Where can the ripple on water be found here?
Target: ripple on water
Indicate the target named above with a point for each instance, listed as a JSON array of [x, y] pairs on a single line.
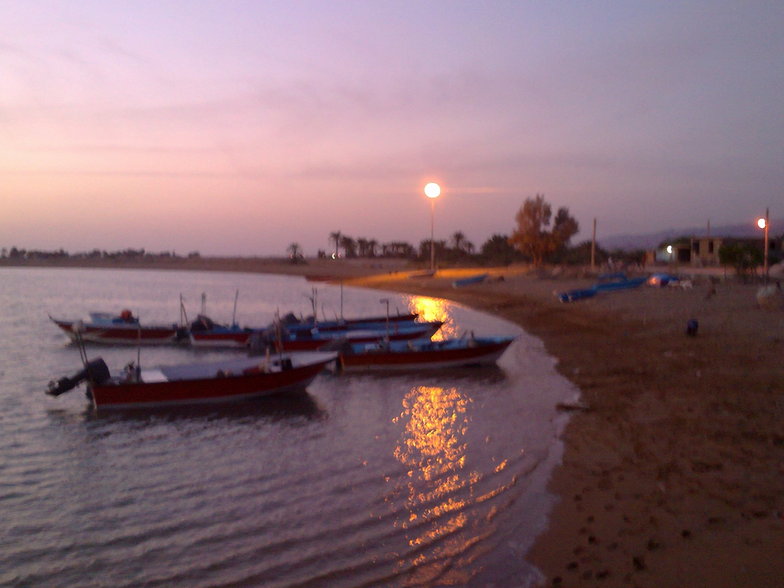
[[361, 480]]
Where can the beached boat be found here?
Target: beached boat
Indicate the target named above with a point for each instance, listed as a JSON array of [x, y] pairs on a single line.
[[469, 281], [423, 354], [606, 283], [219, 381], [122, 329], [619, 284]]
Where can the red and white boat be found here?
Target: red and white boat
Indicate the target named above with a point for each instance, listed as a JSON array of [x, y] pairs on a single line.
[[122, 329], [229, 380], [423, 354]]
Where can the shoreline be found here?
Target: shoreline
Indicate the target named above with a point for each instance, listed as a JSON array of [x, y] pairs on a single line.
[[673, 474]]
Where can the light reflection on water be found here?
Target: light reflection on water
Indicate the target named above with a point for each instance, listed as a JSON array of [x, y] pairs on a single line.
[[433, 450], [362, 480], [435, 309]]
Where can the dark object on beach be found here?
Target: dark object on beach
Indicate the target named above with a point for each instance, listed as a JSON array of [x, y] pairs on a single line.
[[691, 327]]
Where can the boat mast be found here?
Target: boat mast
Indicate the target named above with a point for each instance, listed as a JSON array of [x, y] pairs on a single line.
[[138, 343], [234, 314], [183, 314], [386, 300], [77, 329]]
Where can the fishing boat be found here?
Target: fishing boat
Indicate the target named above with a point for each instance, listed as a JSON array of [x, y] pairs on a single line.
[[227, 380], [204, 332], [620, 284], [423, 354], [317, 339], [605, 283], [292, 323], [120, 329], [469, 281]]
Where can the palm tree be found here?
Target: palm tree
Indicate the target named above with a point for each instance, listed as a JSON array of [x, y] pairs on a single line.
[[362, 244], [349, 246], [336, 238], [458, 239]]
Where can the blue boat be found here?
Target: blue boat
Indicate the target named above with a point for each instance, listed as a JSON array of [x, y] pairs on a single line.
[[573, 295], [606, 283], [477, 279], [624, 284]]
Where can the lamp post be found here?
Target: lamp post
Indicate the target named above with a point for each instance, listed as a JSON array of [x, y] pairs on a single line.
[[432, 191], [764, 224]]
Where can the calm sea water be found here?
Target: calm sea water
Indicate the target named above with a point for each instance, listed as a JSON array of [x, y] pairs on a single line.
[[406, 480]]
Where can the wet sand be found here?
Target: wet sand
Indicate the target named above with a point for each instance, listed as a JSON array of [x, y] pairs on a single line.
[[673, 470]]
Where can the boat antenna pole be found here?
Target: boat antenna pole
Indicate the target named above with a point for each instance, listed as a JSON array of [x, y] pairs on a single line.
[[77, 328], [234, 314], [341, 300], [279, 336], [386, 300], [204, 303], [138, 343], [183, 313]]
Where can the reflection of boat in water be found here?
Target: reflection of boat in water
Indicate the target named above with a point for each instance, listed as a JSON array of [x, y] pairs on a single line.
[[218, 381], [423, 354]]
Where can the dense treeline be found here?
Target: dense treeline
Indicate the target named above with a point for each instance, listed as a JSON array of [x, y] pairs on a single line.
[[537, 237]]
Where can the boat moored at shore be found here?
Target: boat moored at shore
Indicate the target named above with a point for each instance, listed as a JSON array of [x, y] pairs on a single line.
[[228, 380], [423, 354]]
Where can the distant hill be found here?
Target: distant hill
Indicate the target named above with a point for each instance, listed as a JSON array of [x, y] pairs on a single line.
[[652, 240]]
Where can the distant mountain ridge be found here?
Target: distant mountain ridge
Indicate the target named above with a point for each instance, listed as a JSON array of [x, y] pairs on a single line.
[[652, 240]]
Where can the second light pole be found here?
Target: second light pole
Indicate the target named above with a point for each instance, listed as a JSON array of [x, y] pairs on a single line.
[[432, 191]]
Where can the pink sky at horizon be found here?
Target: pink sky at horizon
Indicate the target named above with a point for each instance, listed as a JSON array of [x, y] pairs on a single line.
[[238, 128]]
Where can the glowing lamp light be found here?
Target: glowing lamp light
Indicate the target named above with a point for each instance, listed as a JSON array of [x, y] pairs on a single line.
[[669, 249], [432, 190], [764, 224]]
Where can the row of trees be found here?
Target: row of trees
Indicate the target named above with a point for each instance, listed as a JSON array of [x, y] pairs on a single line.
[[16, 253], [537, 237]]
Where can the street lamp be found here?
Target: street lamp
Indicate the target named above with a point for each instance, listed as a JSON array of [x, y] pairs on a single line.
[[432, 191], [764, 224]]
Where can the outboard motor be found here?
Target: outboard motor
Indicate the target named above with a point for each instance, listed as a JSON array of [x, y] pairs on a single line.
[[95, 371]]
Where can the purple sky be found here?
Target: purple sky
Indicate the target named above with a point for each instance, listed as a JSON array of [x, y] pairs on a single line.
[[234, 127]]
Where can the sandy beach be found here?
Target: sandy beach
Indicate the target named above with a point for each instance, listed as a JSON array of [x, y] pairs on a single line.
[[673, 471]]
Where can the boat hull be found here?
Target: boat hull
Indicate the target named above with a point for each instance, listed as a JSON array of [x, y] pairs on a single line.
[[469, 281], [120, 334], [227, 340], [244, 385], [314, 342], [433, 356]]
